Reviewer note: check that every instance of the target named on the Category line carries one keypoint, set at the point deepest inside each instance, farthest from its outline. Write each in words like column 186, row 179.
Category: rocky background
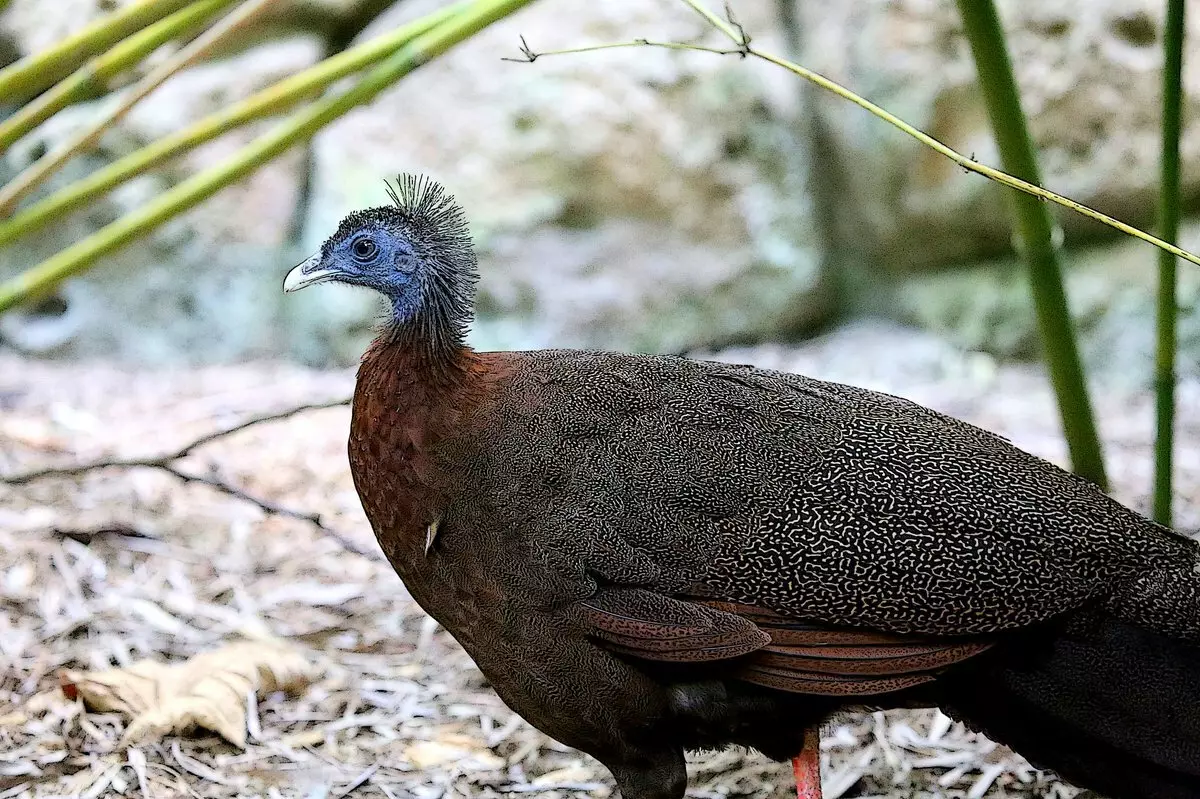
column 644, row 199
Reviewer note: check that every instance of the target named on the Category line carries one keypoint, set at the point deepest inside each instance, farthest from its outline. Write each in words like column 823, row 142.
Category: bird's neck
column 430, row 327
column 407, row 400
column 417, row 376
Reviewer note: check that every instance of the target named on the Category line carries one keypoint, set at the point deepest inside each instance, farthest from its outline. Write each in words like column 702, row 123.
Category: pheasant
column 647, row 555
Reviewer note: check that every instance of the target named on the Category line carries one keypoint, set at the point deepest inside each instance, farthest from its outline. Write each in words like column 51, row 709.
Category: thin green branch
column 271, row 101
column 1168, row 229
column 303, row 125
column 1035, row 229
column 27, row 77
column 37, row 173
column 91, row 80
column 968, row 164
column 528, row 56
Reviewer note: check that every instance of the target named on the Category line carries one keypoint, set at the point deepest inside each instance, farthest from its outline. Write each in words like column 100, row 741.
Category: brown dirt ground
column 118, row 565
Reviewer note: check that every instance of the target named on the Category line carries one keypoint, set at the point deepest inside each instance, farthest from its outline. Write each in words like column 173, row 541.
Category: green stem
column 27, row 77
column 92, row 79
column 1168, row 229
column 1036, row 233
column 273, row 100
column 303, row 125
column 86, row 139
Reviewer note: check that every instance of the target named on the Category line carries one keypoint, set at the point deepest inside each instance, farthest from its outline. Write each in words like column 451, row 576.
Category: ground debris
column 209, row 691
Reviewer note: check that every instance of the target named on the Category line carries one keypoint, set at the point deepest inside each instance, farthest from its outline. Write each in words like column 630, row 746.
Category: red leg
column 807, row 766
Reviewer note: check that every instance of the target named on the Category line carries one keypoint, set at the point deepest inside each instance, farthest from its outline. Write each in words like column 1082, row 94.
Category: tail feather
column 1106, row 703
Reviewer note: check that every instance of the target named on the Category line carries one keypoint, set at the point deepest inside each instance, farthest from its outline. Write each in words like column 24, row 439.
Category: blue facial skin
column 378, row 259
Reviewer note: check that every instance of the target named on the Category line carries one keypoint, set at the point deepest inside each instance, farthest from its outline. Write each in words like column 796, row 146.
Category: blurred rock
column 633, row 198
column 202, row 287
column 1089, row 77
column 1112, row 290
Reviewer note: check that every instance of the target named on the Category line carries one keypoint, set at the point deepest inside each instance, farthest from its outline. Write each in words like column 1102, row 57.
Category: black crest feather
column 437, row 227
column 431, row 213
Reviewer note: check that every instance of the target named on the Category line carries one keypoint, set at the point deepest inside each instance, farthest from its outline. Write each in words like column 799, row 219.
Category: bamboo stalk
column 303, row 125
column 1168, row 229
column 35, row 174
column 1035, row 229
column 30, row 75
column 91, row 80
column 270, row 101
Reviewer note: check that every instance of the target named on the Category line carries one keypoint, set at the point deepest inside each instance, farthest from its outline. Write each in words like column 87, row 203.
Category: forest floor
column 114, row 565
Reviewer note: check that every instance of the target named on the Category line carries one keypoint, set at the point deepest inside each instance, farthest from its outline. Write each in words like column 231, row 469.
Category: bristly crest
column 437, row 227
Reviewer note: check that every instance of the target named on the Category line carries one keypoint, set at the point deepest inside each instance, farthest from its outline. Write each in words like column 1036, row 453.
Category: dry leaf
column 452, row 748
column 208, row 691
column 564, row 776
column 13, row 719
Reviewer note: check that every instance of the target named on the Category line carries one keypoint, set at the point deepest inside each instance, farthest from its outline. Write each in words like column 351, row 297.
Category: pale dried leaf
column 451, row 749
column 208, row 691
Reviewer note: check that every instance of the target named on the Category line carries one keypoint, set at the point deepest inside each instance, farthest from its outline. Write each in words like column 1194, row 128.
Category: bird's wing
column 770, row 649
column 652, row 626
column 827, row 503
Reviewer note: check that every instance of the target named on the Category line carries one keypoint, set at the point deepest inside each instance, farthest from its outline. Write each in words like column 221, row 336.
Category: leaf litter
column 209, row 691
column 283, row 665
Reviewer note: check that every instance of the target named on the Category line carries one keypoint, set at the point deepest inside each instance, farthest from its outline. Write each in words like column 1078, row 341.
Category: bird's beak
column 308, row 272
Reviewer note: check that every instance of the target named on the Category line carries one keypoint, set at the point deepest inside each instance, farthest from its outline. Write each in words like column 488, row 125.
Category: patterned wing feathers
column 771, row 650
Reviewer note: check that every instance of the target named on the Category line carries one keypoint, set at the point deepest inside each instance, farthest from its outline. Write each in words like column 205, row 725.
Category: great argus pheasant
column 647, row 555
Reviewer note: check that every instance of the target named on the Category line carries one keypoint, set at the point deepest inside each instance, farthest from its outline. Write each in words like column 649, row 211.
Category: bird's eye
column 363, row 249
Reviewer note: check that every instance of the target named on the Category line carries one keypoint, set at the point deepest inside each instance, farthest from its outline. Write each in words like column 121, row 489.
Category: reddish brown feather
column 656, row 627
column 781, row 653
column 929, row 660
column 848, row 651
column 807, row 635
column 829, row 686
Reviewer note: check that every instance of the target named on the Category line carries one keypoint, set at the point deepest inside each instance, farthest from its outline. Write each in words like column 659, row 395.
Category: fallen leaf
column 13, row 719
column 452, row 748
column 208, row 691
column 562, row 776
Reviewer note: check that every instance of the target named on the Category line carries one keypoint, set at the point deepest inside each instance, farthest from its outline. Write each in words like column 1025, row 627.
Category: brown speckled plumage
column 651, row 554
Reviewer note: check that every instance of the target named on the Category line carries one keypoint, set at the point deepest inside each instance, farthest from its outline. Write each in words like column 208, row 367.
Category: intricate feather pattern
column 826, row 502
column 650, row 554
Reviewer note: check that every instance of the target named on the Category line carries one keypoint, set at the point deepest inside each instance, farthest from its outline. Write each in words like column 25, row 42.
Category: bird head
column 416, row 252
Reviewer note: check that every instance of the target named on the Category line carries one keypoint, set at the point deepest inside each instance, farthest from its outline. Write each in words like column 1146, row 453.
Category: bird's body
column 646, row 555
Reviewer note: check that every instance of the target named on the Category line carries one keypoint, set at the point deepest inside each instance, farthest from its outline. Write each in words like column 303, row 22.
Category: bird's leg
column 652, row 775
column 807, row 766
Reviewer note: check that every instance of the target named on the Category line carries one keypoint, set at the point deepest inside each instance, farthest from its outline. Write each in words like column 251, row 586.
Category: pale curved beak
column 306, row 273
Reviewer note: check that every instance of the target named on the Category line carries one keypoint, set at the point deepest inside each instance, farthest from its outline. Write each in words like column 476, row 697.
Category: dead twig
column 90, row 534
column 164, row 460
column 167, row 462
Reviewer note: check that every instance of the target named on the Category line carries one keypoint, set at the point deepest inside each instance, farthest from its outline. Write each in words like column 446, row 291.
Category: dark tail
column 1107, row 704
